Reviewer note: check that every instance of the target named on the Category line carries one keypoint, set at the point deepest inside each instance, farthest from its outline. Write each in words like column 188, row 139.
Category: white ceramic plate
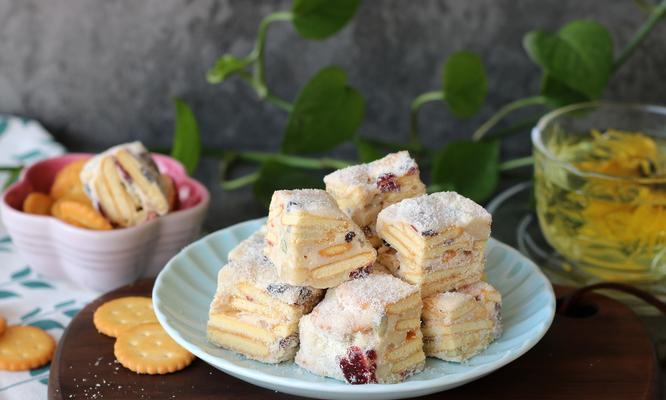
column 185, row 288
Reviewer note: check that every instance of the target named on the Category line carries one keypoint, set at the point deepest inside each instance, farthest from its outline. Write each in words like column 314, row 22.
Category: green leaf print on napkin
column 47, row 324
column 36, row 285
column 31, row 314
column 21, row 273
column 5, row 294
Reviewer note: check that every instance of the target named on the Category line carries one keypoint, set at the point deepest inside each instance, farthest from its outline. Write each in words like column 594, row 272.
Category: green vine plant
column 577, row 63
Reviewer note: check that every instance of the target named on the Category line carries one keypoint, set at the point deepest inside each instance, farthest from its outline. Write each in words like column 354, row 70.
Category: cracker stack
column 312, row 242
column 458, row 325
column 362, row 191
column 366, row 330
column 253, row 312
column 437, row 242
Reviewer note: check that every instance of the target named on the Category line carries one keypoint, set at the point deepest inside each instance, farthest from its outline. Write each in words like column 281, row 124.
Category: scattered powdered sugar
column 359, row 304
column 249, row 264
column 430, row 214
column 397, row 164
column 313, row 201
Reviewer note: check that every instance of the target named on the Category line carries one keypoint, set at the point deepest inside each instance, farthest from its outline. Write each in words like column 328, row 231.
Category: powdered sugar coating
column 311, row 201
column 430, row 214
column 247, row 263
column 397, row 164
column 359, row 304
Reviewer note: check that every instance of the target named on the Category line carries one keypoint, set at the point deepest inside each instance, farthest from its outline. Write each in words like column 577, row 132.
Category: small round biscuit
column 116, row 316
column 25, row 347
column 67, row 180
column 79, row 214
column 148, row 349
column 38, row 204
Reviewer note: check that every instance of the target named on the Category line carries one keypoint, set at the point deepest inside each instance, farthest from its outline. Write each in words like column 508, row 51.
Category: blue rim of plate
column 409, row 387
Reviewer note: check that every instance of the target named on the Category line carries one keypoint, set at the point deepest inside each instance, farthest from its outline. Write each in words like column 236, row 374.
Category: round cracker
column 25, row 347
column 79, row 214
column 148, row 349
column 116, row 316
column 38, row 204
column 67, row 180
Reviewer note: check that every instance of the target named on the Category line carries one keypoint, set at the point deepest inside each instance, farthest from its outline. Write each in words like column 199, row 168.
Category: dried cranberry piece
column 123, row 172
column 361, row 272
column 358, row 367
column 350, row 236
column 387, row 183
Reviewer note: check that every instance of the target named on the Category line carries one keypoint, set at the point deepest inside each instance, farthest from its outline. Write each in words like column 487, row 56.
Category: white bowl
column 101, row 260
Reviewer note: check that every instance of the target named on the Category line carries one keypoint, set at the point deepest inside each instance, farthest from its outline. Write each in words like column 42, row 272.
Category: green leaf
column 470, row 168
column 464, row 83
column 319, row 19
column 71, row 313
column 327, row 112
column 65, row 304
column 558, row 94
column 366, row 151
column 276, row 176
column 580, row 55
column 186, row 141
column 47, row 324
column 5, row 294
column 39, row 371
column 226, row 66
column 21, row 273
column 31, row 314
column 36, row 285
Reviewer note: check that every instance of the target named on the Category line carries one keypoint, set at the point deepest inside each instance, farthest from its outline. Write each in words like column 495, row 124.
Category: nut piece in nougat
column 435, row 241
column 366, row 330
column 458, row 325
column 312, row 242
column 125, row 185
column 253, row 312
column 362, row 191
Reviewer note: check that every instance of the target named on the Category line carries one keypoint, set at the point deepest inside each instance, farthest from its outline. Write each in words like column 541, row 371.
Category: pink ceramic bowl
column 101, row 260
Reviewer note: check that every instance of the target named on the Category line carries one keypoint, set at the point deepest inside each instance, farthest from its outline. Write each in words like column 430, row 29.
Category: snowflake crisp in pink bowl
column 101, row 260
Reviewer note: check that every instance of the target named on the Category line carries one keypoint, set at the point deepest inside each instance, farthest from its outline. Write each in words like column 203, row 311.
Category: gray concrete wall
column 97, row 73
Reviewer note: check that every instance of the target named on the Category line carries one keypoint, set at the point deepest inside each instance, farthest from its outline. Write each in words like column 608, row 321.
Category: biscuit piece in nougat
column 366, row 330
column 362, row 191
column 458, row 325
column 253, row 312
column 435, row 241
column 312, row 242
column 125, row 185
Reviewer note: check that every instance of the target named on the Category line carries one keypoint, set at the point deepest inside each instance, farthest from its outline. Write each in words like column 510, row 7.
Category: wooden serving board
column 606, row 355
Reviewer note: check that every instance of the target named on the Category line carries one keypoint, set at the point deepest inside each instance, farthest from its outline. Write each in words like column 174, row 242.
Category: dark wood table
column 603, row 353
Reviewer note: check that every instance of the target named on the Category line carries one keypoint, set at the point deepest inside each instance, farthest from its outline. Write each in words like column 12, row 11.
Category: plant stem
column 656, row 15
column 258, row 80
column 518, row 127
column 279, row 102
column 516, row 163
column 504, row 111
column 239, row 182
column 295, row 161
column 415, row 106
